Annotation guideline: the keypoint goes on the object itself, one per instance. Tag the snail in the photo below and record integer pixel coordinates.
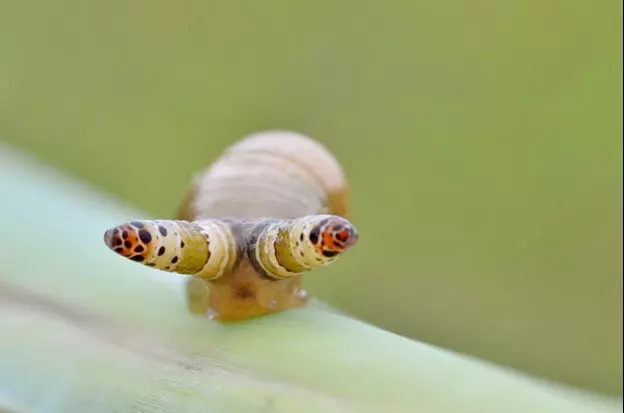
(270, 208)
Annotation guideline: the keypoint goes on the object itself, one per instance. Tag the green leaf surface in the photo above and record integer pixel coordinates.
(84, 330)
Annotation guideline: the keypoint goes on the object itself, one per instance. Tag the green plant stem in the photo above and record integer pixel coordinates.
(84, 330)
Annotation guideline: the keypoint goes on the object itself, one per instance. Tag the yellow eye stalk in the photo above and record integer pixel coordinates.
(263, 214)
(211, 249)
(205, 249)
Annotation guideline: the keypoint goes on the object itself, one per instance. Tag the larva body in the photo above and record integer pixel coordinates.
(271, 208)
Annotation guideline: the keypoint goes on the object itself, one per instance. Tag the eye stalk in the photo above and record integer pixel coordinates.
(281, 249)
(205, 249)
(277, 248)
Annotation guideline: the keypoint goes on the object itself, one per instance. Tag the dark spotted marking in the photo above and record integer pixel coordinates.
(314, 234)
(174, 259)
(124, 234)
(161, 251)
(128, 244)
(181, 244)
(162, 230)
(137, 258)
(341, 237)
(338, 227)
(119, 250)
(301, 237)
(137, 224)
(302, 254)
(145, 236)
(117, 241)
(330, 254)
(139, 248)
(323, 222)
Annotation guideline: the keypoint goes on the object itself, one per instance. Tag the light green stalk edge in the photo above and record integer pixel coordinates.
(83, 330)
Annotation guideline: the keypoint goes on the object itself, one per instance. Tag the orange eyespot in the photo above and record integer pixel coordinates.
(333, 236)
(344, 236)
(129, 241)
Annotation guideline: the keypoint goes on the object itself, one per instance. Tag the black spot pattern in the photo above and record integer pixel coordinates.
(314, 234)
(162, 230)
(323, 222)
(145, 236)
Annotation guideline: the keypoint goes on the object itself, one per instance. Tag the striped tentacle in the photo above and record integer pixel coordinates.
(282, 249)
(207, 249)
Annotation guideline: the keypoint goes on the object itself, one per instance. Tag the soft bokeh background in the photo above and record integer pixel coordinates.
(482, 141)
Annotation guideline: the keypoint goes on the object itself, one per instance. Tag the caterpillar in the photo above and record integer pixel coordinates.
(272, 207)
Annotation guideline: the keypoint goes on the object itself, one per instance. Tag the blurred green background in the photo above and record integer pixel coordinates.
(482, 141)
